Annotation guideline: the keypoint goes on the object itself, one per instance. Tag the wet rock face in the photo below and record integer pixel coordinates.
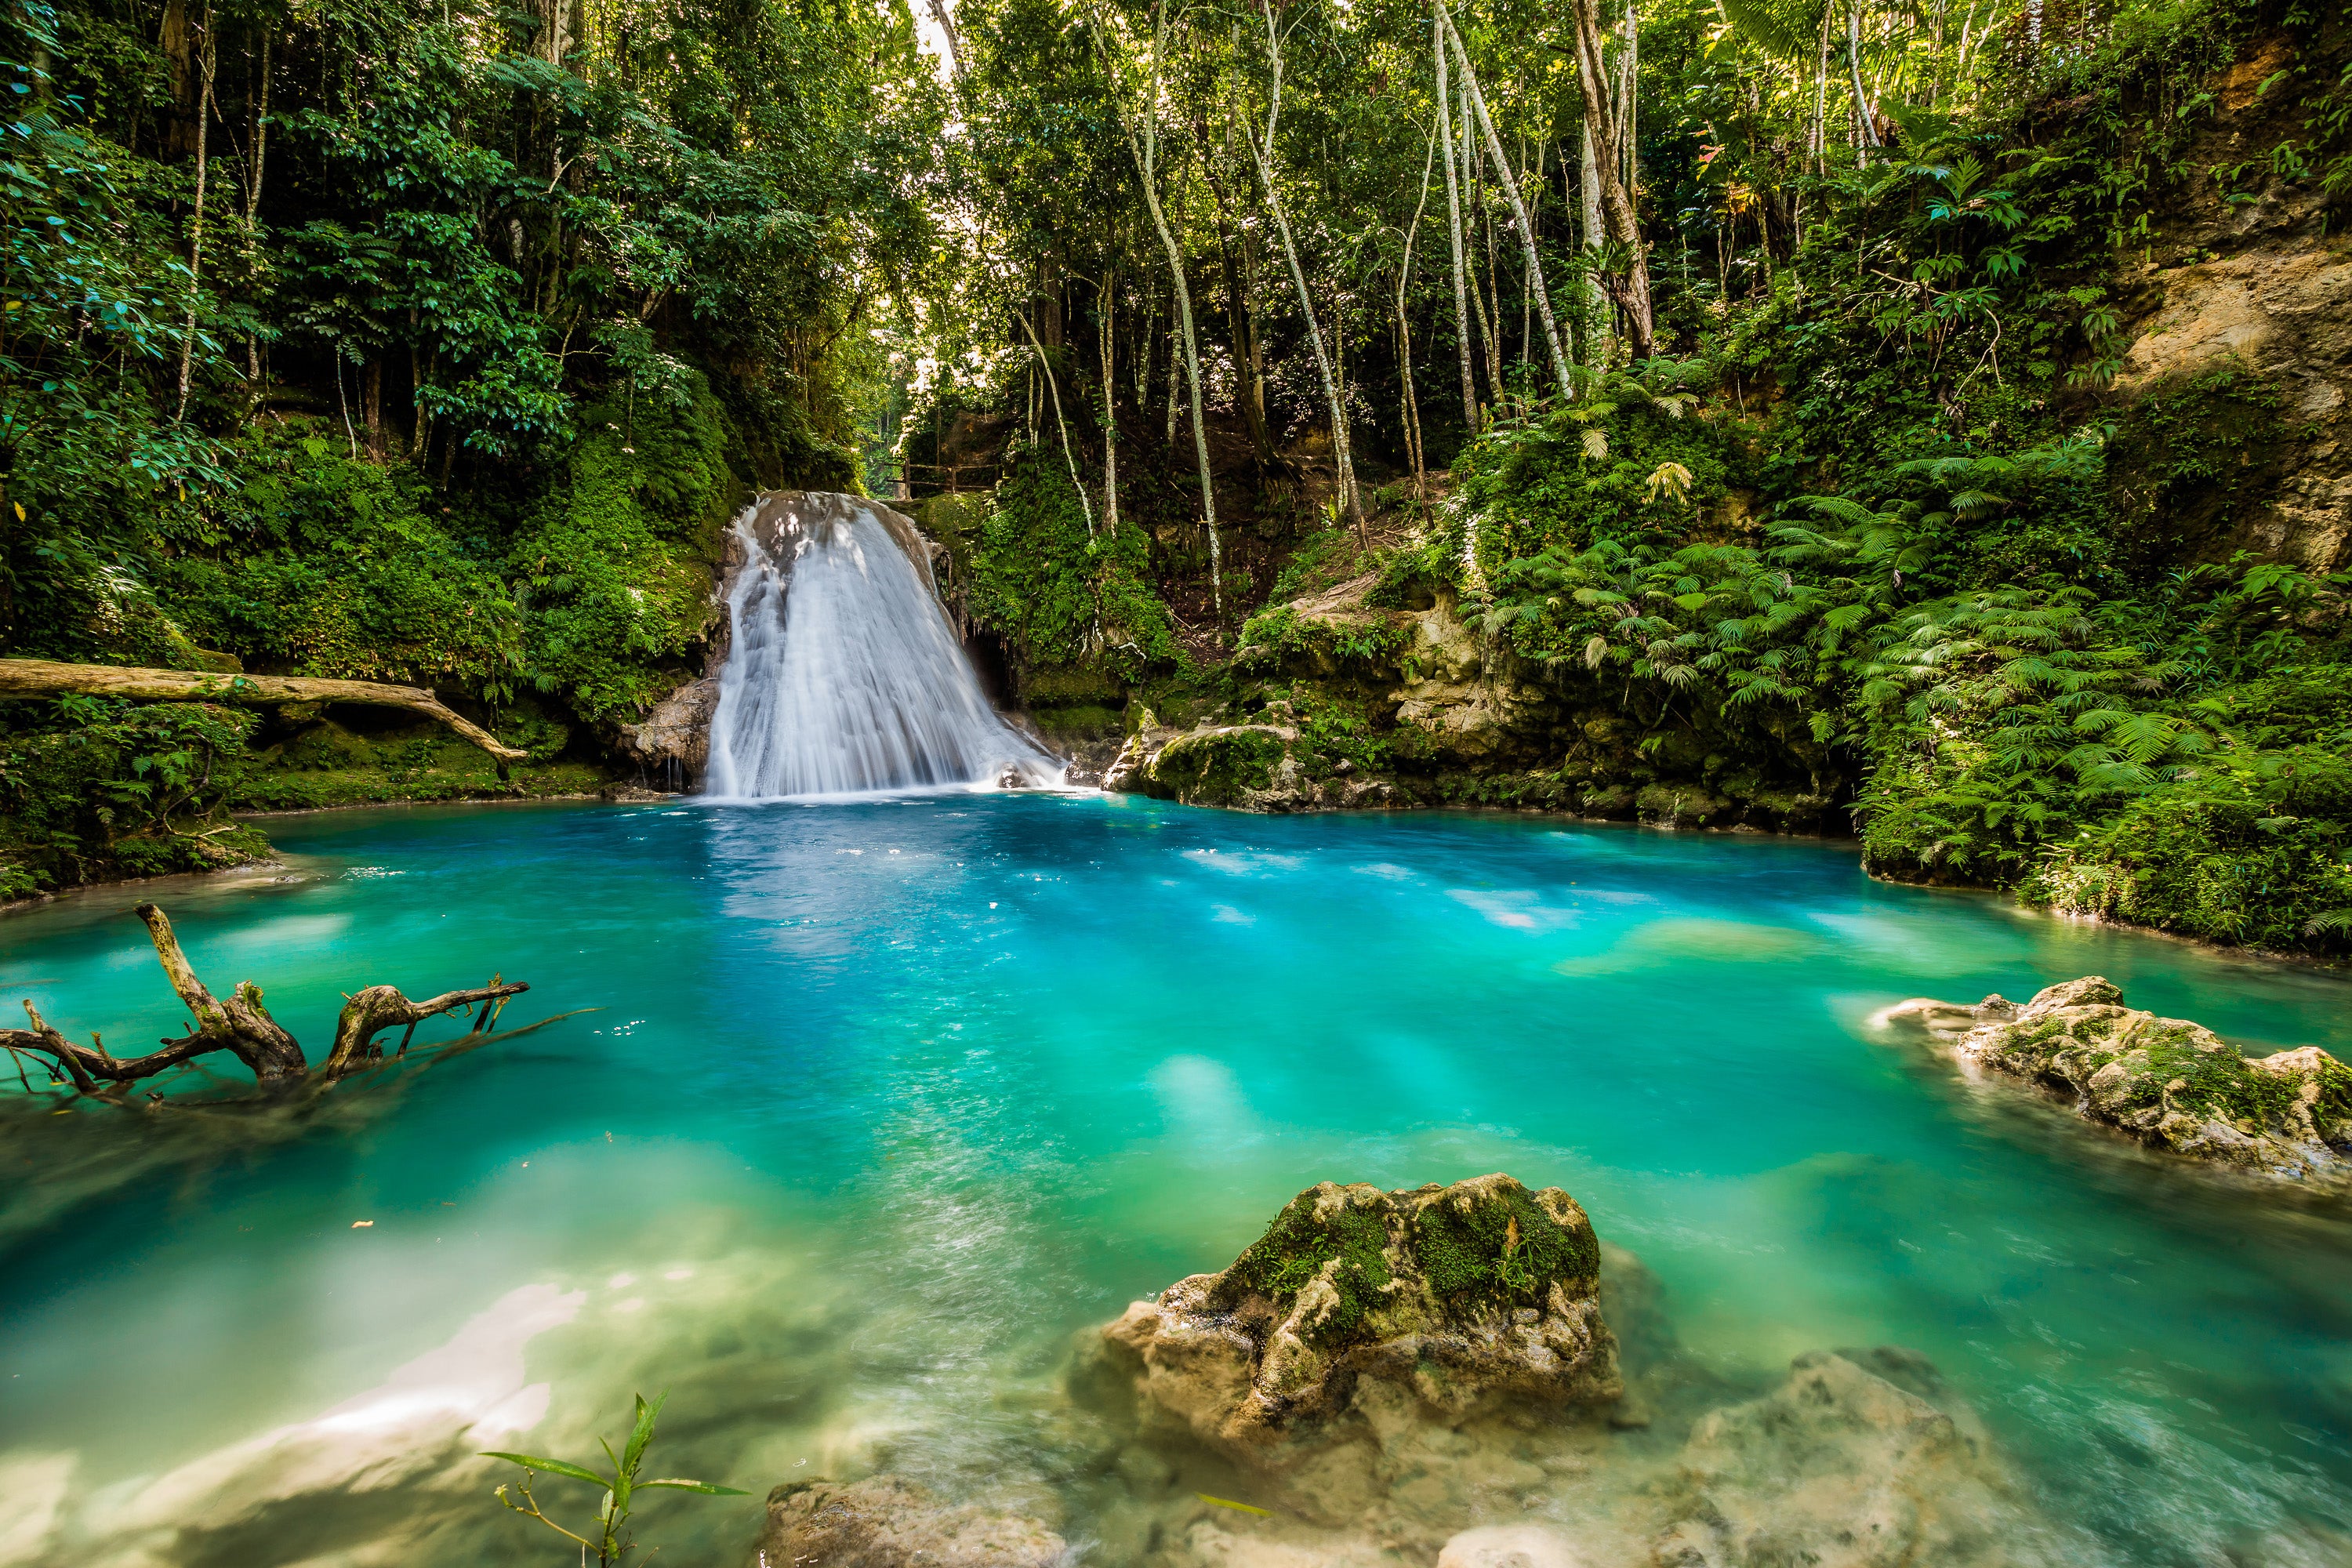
(1857, 1461)
(887, 1522)
(1364, 1319)
(672, 742)
(2169, 1083)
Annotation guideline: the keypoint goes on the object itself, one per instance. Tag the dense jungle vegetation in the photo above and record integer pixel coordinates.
(1764, 370)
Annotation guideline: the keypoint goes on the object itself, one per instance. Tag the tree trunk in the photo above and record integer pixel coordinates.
(1069, 454)
(1592, 83)
(1241, 325)
(1815, 134)
(371, 406)
(253, 201)
(207, 57)
(1596, 352)
(1146, 155)
(1404, 328)
(1453, 227)
(1518, 207)
(1863, 114)
(1261, 155)
(42, 678)
(179, 59)
(1104, 307)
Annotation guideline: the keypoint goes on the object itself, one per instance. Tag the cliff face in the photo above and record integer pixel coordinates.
(2245, 294)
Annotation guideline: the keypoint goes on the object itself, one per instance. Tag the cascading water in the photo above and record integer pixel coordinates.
(844, 676)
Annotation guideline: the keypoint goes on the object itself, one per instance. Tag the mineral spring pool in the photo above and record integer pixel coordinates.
(882, 1106)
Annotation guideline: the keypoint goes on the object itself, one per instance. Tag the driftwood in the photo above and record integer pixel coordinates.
(243, 1026)
(44, 678)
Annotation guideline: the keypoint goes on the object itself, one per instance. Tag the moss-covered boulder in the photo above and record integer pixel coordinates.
(2169, 1083)
(1362, 1317)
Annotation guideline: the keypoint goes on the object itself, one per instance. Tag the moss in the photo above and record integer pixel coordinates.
(1274, 638)
(2216, 1085)
(1219, 767)
(1295, 1249)
(1499, 1250)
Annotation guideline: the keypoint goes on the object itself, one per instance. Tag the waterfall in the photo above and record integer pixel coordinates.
(844, 676)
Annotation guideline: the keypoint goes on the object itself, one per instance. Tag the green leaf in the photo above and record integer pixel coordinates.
(703, 1486)
(553, 1467)
(643, 1433)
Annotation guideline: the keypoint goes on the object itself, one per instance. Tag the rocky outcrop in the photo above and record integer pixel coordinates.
(2171, 1084)
(1859, 1460)
(1250, 767)
(887, 1522)
(1363, 1320)
(2249, 279)
(672, 743)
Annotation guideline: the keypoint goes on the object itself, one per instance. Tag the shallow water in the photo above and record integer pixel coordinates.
(886, 1102)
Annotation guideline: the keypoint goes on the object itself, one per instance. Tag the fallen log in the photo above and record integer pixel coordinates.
(46, 677)
(241, 1025)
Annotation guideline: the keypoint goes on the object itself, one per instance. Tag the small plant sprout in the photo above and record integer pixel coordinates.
(610, 1541)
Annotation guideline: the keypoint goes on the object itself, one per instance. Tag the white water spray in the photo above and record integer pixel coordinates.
(844, 676)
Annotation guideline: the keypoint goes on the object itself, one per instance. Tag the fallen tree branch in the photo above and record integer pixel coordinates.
(243, 1026)
(46, 677)
(369, 1013)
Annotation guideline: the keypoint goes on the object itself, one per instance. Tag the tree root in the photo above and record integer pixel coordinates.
(243, 1026)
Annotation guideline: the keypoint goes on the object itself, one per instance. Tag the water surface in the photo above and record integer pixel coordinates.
(886, 1102)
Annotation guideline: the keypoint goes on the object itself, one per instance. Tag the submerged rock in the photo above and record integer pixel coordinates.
(1364, 1324)
(2171, 1084)
(1850, 1464)
(887, 1522)
(1511, 1546)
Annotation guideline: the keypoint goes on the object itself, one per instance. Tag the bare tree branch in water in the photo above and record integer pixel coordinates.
(241, 1025)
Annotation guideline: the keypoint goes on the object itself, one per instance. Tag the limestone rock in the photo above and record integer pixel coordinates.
(1363, 1319)
(887, 1522)
(672, 742)
(1847, 1465)
(2169, 1083)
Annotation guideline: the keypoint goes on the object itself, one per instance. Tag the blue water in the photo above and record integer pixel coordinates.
(882, 1104)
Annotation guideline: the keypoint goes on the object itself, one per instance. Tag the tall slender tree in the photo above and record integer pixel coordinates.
(1261, 154)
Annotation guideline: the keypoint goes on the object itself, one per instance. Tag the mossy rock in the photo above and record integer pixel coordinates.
(1219, 766)
(1459, 1301)
(1432, 1256)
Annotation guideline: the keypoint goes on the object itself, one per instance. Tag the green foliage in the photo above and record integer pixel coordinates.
(611, 1542)
(1274, 636)
(1060, 593)
(1584, 472)
(2023, 713)
(92, 787)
